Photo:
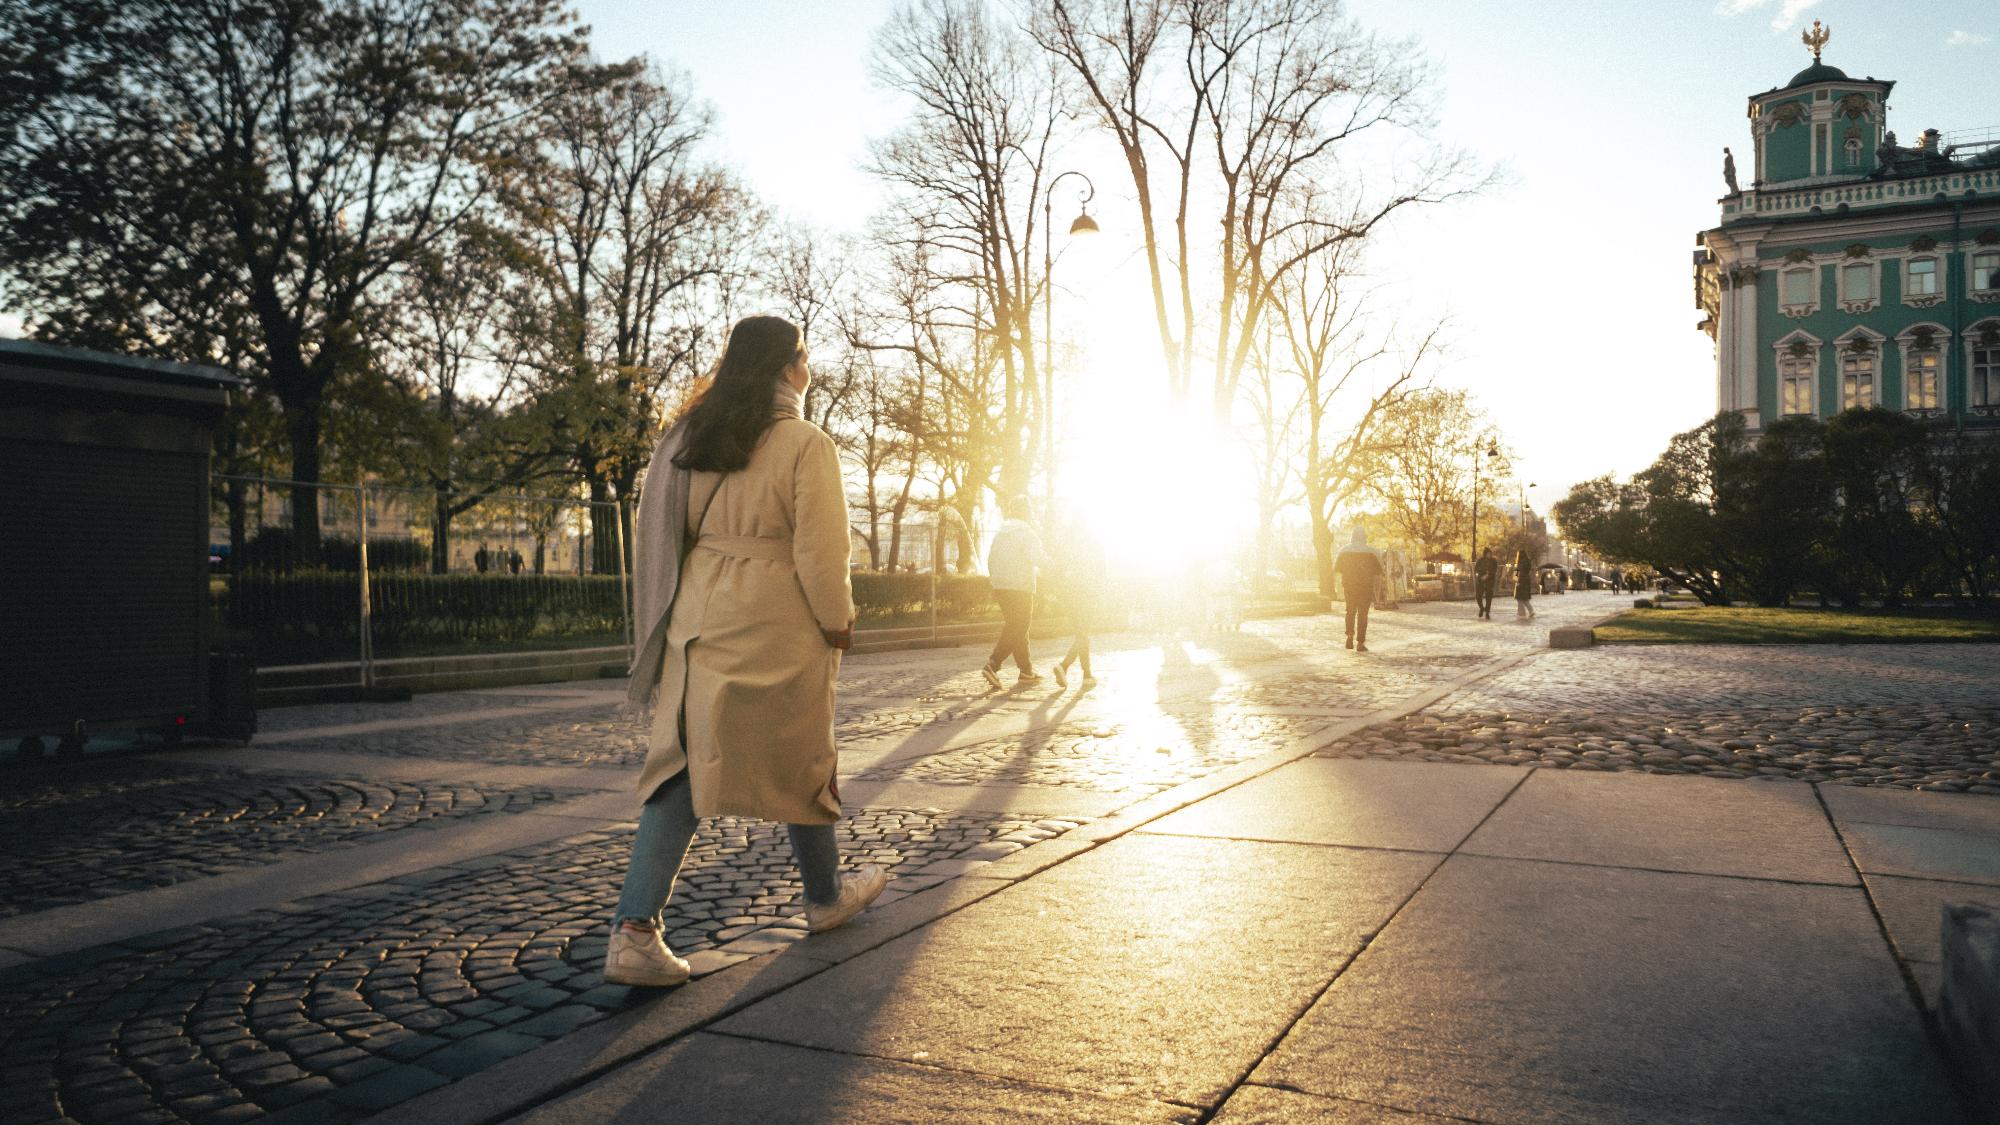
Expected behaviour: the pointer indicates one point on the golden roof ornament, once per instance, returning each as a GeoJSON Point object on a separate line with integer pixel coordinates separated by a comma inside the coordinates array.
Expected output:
{"type": "Point", "coordinates": [1816, 38]}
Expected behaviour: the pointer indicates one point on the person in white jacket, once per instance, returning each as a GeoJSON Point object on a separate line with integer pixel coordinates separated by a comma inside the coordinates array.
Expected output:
{"type": "Point", "coordinates": [1011, 563]}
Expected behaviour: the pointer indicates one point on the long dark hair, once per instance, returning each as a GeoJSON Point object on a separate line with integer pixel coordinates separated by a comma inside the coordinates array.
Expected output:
{"type": "Point", "coordinates": [730, 414]}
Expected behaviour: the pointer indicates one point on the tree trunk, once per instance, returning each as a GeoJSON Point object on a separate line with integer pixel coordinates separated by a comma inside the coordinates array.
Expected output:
{"type": "Point", "coordinates": [441, 533]}
{"type": "Point", "coordinates": [1322, 538]}
{"type": "Point", "coordinates": [302, 430]}
{"type": "Point", "coordinates": [603, 539]}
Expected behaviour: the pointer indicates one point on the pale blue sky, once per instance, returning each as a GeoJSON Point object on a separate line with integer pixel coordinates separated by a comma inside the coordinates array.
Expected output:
{"type": "Point", "coordinates": [1569, 290]}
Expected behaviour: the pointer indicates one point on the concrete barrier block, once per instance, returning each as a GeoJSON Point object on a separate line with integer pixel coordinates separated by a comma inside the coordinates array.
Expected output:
{"type": "Point", "coordinates": [1969, 999]}
{"type": "Point", "coordinates": [1571, 636]}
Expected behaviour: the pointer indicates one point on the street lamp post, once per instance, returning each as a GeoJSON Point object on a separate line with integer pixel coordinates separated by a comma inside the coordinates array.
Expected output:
{"type": "Point", "coordinates": [1492, 450]}
{"type": "Point", "coordinates": [1083, 224]}
{"type": "Point", "coordinates": [1524, 506]}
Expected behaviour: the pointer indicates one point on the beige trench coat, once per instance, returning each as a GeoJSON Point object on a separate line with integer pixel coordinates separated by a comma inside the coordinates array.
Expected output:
{"type": "Point", "coordinates": [746, 673]}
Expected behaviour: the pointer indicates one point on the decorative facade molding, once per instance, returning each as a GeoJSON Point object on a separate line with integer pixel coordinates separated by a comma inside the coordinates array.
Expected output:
{"type": "Point", "coordinates": [1857, 302]}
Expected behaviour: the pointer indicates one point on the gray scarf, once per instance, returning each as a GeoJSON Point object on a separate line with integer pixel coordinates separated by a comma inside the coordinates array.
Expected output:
{"type": "Point", "coordinates": [660, 542]}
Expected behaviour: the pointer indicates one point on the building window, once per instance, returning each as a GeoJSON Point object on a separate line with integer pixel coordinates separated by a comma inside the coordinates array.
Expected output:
{"type": "Point", "coordinates": [1857, 379]}
{"type": "Point", "coordinates": [1795, 384]}
{"type": "Point", "coordinates": [1920, 378]}
{"type": "Point", "coordinates": [1985, 376]}
{"type": "Point", "coordinates": [1853, 152]}
{"type": "Point", "coordinates": [1922, 277]}
{"type": "Point", "coordinates": [1857, 287]}
{"type": "Point", "coordinates": [1798, 293]}
{"type": "Point", "coordinates": [1986, 271]}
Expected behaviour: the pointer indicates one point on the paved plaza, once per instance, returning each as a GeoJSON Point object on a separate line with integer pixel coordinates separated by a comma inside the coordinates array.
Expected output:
{"type": "Point", "coordinates": [1249, 876]}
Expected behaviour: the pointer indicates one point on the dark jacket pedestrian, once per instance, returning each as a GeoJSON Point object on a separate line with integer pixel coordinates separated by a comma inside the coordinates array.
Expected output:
{"type": "Point", "coordinates": [481, 559]}
{"type": "Point", "coordinates": [1486, 573]}
{"type": "Point", "coordinates": [514, 562]}
{"type": "Point", "coordinates": [1524, 586]}
{"type": "Point", "coordinates": [1360, 570]}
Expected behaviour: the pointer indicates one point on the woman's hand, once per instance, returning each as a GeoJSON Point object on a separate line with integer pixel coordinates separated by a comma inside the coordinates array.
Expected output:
{"type": "Point", "coordinates": [842, 639]}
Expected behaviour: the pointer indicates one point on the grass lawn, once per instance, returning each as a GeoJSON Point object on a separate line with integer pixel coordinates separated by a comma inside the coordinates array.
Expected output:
{"type": "Point", "coordinates": [1756, 625]}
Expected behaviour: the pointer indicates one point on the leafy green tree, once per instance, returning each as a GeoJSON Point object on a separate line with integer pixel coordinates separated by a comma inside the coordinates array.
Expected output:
{"type": "Point", "coordinates": [1882, 541]}
{"type": "Point", "coordinates": [178, 169]}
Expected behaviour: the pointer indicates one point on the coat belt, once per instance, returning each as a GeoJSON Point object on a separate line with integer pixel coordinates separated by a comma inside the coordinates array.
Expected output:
{"type": "Point", "coordinates": [747, 547]}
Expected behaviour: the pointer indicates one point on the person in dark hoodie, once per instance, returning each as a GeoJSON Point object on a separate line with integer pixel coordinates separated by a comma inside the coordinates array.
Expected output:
{"type": "Point", "coordinates": [1360, 570]}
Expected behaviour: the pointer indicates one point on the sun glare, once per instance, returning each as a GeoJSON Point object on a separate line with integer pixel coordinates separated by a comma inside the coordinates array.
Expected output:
{"type": "Point", "coordinates": [1159, 489]}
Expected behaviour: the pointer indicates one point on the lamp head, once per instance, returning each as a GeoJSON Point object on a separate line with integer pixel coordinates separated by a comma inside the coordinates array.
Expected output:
{"type": "Point", "coordinates": [1084, 224]}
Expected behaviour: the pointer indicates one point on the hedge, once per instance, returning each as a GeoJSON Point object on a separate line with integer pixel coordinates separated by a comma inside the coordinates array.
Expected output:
{"type": "Point", "coordinates": [306, 617]}
{"type": "Point", "coordinates": [892, 597]}
{"type": "Point", "coordinates": [309, 616]}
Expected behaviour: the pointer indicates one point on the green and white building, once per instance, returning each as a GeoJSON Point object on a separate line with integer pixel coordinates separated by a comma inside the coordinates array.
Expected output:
{"type": "Point", "coordinates": [1852, 270]}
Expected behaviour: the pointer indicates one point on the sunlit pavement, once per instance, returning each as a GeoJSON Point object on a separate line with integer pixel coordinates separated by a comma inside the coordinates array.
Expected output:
{"type": "Point", "coordinates": [1163, 897]}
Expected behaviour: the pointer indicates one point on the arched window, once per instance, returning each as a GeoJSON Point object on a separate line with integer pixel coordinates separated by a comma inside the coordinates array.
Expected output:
{"type": "Point", "coordinates": [1860, 364]}
{"type": "Point", "coordinates": [1923, 366]}
{"type": "Point", "coordinates": [1798, 374]}
{"type": "Point", "coordinates": [1853, 147]}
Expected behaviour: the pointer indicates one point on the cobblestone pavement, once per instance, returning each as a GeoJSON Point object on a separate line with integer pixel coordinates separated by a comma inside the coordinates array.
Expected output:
{"type": "Point", "coordinates": [347, 1003]}
{"type": "Point", "coordinates": [138, 824]}
{"type": "Point", "coordinates": [1132, 758]}
{"type": "Point", "coordinates": [1916, 716]}
{"type": "Point", "coordinates": [334, 1006]}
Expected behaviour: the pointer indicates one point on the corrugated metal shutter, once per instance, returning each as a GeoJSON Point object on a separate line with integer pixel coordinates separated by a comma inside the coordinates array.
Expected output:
{"type": "Point", "coordinates": [105, 593]}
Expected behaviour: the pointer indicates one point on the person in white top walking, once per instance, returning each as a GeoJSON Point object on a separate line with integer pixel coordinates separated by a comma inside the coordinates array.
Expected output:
{"type": "Point", "coordinates": [1011, 563]}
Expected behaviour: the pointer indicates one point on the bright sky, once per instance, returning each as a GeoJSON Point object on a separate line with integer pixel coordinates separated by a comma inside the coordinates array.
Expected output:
{"type": "Point", "coordinates": [1569, 290]}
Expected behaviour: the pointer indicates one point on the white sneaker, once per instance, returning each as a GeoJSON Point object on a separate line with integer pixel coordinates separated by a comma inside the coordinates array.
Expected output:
{"type": "Point", "coordinates": [858, 888]}
{"type": "Point", "coordinates": [992, 677]}
{"type": "Point", "coordinates": [642, 959]}
{"type": "Point", "coordinates": [1062, 677]}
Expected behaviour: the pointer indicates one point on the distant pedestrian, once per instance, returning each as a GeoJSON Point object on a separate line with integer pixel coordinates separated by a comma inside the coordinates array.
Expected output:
{"type": "Point", "coordinates": [1562, 580]}
{"type": "Point", "coordinates": [1617, 579]}
{"type": "Point", "coordinates": [1080, 583]}
{"type": "Point", "coordinates": [514, 561]}
{"type": "Point", "coordinates": [1360, 570]}
{"type": "Point", "coordinates": [1524, 587]}
{"type": "Point", "coordinates": [1011, 563]}
{"type": "Point", "coordinates": [743, 602]}
{"type": "Point", "coordinates": [481, 559]}
{"type": "Point", "coordinates": [1486, 576]}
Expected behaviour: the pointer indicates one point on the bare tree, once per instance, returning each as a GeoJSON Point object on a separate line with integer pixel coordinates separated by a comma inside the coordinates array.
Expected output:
{"type": "Point", "coordinates": [1334, 349]}
{"type": "Point", "coordinates": [967, 169]}
{"type": "Point", "coordinates": [630, 236]}
{"type": "Point", "coordinates": [1228, 112]}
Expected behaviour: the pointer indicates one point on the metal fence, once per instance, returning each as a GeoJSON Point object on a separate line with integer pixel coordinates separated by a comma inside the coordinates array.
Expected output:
{"type": "Point", "coordinates": [401, 574]}
{"type": "Point", "coordinates": [397, 573]}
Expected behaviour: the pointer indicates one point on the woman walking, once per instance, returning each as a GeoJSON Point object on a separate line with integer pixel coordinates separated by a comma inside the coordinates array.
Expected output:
{"type": "Point", "coordinates": [1524, 586]}
{"type": "Point", "coordinates": [743, 604]}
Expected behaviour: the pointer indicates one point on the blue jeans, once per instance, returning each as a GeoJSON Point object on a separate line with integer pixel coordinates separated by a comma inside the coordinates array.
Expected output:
{"type": "Point", "coordinates": [666, 827]}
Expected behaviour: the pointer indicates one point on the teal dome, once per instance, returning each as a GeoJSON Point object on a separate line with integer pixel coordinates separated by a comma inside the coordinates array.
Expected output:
{"type": "Point", "coordinates": [1817, 72]}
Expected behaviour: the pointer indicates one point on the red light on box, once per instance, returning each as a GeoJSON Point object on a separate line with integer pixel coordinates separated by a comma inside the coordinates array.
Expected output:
{"type": "Point", "coordinates": [180, 720]}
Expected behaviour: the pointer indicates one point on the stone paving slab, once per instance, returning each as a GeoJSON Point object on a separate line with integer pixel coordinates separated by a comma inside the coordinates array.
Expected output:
{"type": "Point", "coordinates": [1925, 853]}
{"type": "Point", "coordinates": [723, 1079]}
{"type": "Point", "coordinates": [1968, 813]}
{"type": "Point", "coordinates": [1516, 991]}
{"type": "Point", "coordinates": [1358, 804]}
{"type": "Point", "coordinates": [1265, 1105]}
{"type": "Point", "coordinates": [1910, 910]}
{"type": "Point", "coordinates": [1130, 946]}
{"type": "Point", "coordinates": [1697, 825]}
